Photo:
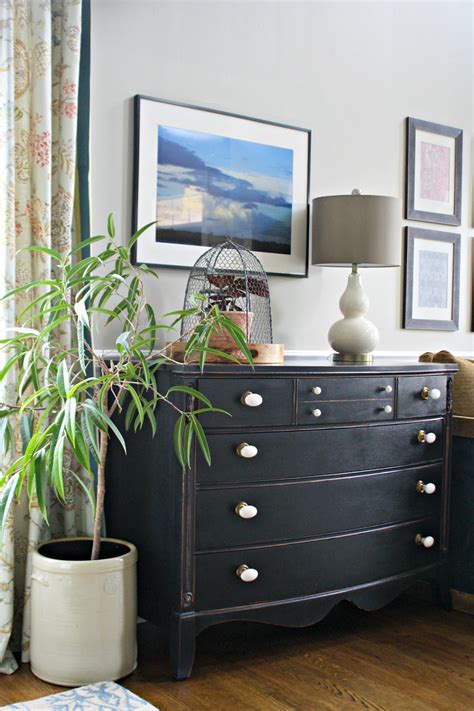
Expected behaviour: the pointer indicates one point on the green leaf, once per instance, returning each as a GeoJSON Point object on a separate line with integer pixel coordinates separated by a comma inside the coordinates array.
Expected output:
{"type": "Point", "coordinates": [178, 434]}
{"type": "Point", "coordinates": [106, 422]}
{"type": "Point", "coordinates": [62, 379]}
{"type": "Point", "coordinates": [111, 225]}
{"type": "Point", "coordinates": [45, 250]}
{"type": "Point", "coordinates": [138, 233]}
{"type": "Point", "coordinates": [90, 434]}
{"type": "Point", "coordinates": [6, 500]}
{"type": "Point", "coordinates": [80, 307]}
{"type": "Point", "coordinates": [70, 419]}
{"type": "Point", "coordinates": [6, 438]}
{"type": "Point", "coordinates": [201, 438]}
{"type": "Point", "coordinates": [40, 483]}
{"type": "Point", "coordinates": [189, 391]}
{"type": "Point", "coordinates": [57, 476]}
{"type": "Point", "coordinates": [138, 404]}
{"type": "Point", "coordinates": [188, 442]}
{"type": "Point", "coordinates": [81, 346]}
{"type": "Point", "coordinates": [86, 243]}
{"type": "Point", "coordinates": [88, 492]}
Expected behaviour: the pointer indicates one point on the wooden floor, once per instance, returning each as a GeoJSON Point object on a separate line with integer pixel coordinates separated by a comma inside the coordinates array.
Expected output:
{"type": "Point", "coordinates": [409, 656]}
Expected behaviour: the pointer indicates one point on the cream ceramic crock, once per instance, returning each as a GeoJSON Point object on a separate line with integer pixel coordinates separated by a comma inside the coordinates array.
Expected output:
{"type": "Point", "coordinates": [83, 616]}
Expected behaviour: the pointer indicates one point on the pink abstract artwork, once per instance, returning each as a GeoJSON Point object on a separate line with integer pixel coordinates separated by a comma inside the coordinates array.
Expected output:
{"type": "Point", "coordinates": [434, 177]}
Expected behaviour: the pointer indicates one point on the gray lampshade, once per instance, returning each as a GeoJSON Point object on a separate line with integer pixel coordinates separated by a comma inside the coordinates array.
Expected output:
{"type": "Point", "coordinates": [356, 229]}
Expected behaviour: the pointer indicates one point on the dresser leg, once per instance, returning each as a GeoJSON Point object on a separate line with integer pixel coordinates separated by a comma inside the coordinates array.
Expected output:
{"type": "Point", "coordinates": [182, 646]}
{"type": "Point", "coordinates": [444, 593]}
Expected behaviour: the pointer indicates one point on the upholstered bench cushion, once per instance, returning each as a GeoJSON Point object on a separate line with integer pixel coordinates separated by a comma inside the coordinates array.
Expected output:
{"type": "Point", "coordinates": [463, 398]}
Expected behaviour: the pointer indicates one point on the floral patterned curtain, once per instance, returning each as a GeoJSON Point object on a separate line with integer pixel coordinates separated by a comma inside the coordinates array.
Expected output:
{"type": "Point", "coordinates": [39, 73]}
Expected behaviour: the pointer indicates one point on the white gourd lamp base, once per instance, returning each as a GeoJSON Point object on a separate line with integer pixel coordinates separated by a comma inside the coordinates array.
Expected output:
{"type": "Point", "coordinates": [354, 337]}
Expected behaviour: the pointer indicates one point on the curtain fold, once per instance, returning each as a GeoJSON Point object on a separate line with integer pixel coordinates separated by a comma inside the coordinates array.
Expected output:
{"type": "Point", "coordinates": [40, 44]}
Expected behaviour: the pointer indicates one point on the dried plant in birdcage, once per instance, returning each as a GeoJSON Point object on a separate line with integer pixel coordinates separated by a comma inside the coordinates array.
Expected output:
{"type": "Point", "coordinates": [232, 278]}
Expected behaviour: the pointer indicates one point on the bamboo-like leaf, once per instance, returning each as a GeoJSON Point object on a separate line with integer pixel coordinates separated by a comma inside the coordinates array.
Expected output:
{"type": "Point", "coordinates": [108, 423]}
{"type": "Point", "coordinates": [138, 404]}
{"type": "Point", "coordinates": [81, 346]}
{"type": "Point", "coordinates": [86, 243]}
{"type": "Point", "coordinates": [80, 307]}
{"type": "Point", "coordinates": [88, 492]}
{"type": "Point", "coordinates": [62, 379]}
{"type": "Point", "coordinates": [6, 499]}
{"type": "Point", "coordinates": [6, 438]}
{"type": "Point", "coordinates": [90, 434]}
{"type": "Point", "coordinates": [70, 419]}
{"type": "Point", "coordinates": [152, 418]}
{"type": "Point", "coordinates": [111, 225]}
{"type": "Point", "coordinates": [138, 234]}
{"type": "Point", "coordinates": [189, 391]}
{"type": "Point", "coordinates": [178, 434]}
{"type": "Point", "coordinates": [40, 483]}
{"type": "Point", "coordinates": [45, 250]}
{"type": "Point", "coordinates": [201, 438]}
{"type": "Point", "coordinates": [188, 443]}
{"type": "Point", "coordinates": [57, 477]}
{"type": "Point", "coordinates": [131, 410]}
{"type": "Point", "coordinates": [80, 448]}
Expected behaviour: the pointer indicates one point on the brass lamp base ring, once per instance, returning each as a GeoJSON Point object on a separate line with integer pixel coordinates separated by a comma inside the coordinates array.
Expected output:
{"type": "Point", "coordinates": [353, 358]}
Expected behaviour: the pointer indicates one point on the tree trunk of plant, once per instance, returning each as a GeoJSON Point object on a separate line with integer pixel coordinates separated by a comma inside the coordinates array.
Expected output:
{"type": "Point", "coordinates": [99, 505]}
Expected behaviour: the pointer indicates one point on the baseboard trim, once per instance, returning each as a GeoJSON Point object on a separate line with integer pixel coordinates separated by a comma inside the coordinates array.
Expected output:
{"type": "Point", "coordinates": [463, 601]}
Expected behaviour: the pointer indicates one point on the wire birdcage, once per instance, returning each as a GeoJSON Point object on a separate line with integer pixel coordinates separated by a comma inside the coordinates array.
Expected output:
{"type": "Point", "coordinates": [231, 277]}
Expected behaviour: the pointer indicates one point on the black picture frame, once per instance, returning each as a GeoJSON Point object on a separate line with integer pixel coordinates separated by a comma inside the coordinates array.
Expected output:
{"type": "Point", "coordinates": [412, 315]}
{"type": "Point", "coordinates": [139, 218]}
{"type": "Point", "coordinates": [413, 179]}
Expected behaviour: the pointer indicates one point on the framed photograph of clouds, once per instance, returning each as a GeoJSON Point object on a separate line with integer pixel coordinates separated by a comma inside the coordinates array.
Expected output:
{"type": "Point", "coordinates": [432, 280]}
{"type": "Point", "coordinates": [434, 172]}
{"type": "Point", "coordinates": [206, 176]}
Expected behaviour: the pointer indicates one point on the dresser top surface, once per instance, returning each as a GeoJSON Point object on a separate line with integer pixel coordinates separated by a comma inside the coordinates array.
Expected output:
{"type": "Point", "coordinates": [307, 365]}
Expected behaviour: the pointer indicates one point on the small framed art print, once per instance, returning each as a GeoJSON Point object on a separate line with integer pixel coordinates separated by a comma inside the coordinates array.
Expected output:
{"type": "Point", "coordinates": [206, 176]}
{"type": "Point", "coordinates": [434, 172]}
{"type": "Point", "coordinates": [432, 280]}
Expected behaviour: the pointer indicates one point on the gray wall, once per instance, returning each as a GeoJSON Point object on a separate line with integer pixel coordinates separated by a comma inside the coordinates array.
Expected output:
{"type": "Point", "coordinates": [351, 72]}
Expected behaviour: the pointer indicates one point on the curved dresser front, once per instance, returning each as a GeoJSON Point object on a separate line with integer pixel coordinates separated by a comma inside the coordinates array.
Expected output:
{"type": "Point", "coordinates": [328, 482]}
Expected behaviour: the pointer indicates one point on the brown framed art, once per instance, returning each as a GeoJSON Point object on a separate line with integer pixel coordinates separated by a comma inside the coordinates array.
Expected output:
{"type": "Point", "coordinates": [433, 172]}
{"type": "Point", "coordinates": [432, 267]}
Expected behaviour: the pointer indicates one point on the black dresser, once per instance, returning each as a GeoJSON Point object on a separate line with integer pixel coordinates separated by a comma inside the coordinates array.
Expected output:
{"type": "Point", "coordinates": [330, 482]}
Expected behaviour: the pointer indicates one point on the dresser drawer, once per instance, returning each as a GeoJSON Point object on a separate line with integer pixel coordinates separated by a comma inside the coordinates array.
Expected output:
{"type": "Point", "coordinates": [312, 453]}
{"type": "Point", "coordinates": [416, 396]}
{"type": "Point", "coordinates": [345, 388]}
{"type": "Point", "coordinates": [276, 407]}
{"type": "Point", "coordinates": [310, 413]}
{"type": "Point", "coordinates": [305, 510]}
{"type": "Point", "coordinates": [308, 568]}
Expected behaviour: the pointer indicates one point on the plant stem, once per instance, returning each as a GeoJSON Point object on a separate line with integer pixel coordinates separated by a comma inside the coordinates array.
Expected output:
{"type": "Point", "coordinates": [99, 505]}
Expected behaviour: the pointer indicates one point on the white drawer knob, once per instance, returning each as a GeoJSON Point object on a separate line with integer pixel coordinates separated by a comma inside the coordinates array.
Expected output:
{"type": "Point", "coordinates": [317, 390]}
{"type": "Point", "coordinates": [317, 413]}
{"type": "Point", "coordinates": [387, 389]}
{"type": "Point", "coordinates": [247, 451]}
{"type": "Point", "coordinates": [251, 399]}
{"type": "Point", "coordinates": [423, 488]}
{"type": "Point", "coordinates": [426, 437]}
{"type": "Point", "coordinates": [387, 409]}
{"type": "Point", "coordinates": [426, 541]}
{"type": "Point", "coordinates": [245, 511]}
{"type": "Point", "coordinates": [433, 394]}
{"type": "Point", "coordinates": [246, 574]}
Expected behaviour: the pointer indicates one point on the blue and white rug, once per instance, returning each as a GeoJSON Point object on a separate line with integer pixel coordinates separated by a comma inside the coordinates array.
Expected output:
{"type": "Point", "coordinates": [94, 697]}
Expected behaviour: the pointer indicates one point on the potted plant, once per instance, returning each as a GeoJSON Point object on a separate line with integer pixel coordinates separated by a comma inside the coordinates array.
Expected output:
{"type": "Point", "coordinates": [230, 294]}
{"type": "Point", "coordinates": [83, 590]}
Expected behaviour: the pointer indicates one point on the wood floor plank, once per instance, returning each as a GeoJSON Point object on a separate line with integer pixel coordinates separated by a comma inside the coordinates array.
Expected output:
{"type": "Point", "coordinates": [405, 657]}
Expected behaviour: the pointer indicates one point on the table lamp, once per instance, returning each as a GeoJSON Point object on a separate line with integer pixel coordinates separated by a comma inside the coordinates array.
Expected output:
{"type": "Point", "coordinates": [359, 231]}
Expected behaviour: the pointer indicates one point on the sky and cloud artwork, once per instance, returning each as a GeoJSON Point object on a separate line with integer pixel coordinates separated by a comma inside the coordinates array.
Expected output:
{"type": "Point", "coordinates": [212, 187]}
